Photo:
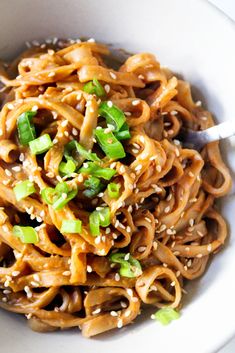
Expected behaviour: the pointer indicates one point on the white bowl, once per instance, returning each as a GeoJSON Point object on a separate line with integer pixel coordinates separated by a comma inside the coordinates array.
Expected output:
{"type": "Point", "coordinates": [197, 41]}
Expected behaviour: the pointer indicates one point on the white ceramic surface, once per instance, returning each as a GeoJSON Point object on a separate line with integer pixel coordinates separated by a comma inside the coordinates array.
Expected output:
{"type": "Point", "coordinates": [197, 41]}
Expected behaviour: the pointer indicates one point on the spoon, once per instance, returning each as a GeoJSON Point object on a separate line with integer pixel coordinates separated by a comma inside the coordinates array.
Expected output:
{"type": "Point", "coordinates": [198, 139]}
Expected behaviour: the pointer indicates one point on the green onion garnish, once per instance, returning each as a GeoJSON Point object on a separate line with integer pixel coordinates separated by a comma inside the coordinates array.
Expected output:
{"type": "Point", "coordinates": [128, 268]}
{"type": "Point", "coordinates": [24, 189]}
{"type": "Point", "coordinates": [91, 168]}
{"type": "Point", "coordinates": [67, 168]}
{"type": "Point", "coordinates": [94, 223]}
{"type": "Point", "coordinates": [71, 226]}
{"type": "Point", "coordinates": [110, 144]}
{"type": "Point", "coordinates": [94, 186]}
{"type": "Point", "coordinates": [166, 315]}
{"type": "Point", "coordinates": [113, 115]}
{"type": "Point", "coordinates": [94, 87]}
{"type": "Point", "coordinates": [113, 190]}
{"type": "Point", "coordinates": [59, 196]}
{"type": "Point", "coordinates": [41, 144]}
{"type": "Point", "coordinates": [26, 129]}
{"type": "Point", "coordinates": [27, 235]}
{"type": "Point", "coordinates": [99, 218]}
{"type": "Point", "coordinates": [123, 133]}
{"type": "Point", "coordinates": [73, 149]}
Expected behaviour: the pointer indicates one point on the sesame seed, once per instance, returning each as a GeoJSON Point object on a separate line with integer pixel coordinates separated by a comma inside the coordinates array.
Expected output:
{"type": "Point", "coordinates": [109, 104]}
{"type": "Point", "coordinates": [113, 313]}
{"type": "Point", "coordinates": [112, 75]}
{"type": "Point", "coordinates": [167, 209]}
{"type": "Point", "coordinates": [173, 283]}
{"type": "Point", "coordinates": [138, 167]}
{"type": "Point", "coordinates": [203, 118]}
{"type": "Point", "coordinates": [135, 102]}
{"type": "Point", "coordinates": [116, 224]}
{"type": "Point", "coordinates": [123, 304]}
{"type": "Point", "coordinates": [15, 273]}
{"type": "Point", "coordinates": [187, 248]}
{"type": "Point", "coordinates": [36, 277]}
{"type": "Point", "coordinates": [164, 265]}
{"type": "Point", "coordinates": [8, 172]}
{"type": "Point", "coordinates": [119, 323]}
{"type": "Point", "coordinates": [158, 168]}
{"type": "Point", "coordinates": [21, 157]}
{"type": "Point", "coordinates": [191, 174]}
{"type": "Point", "coordinates": [117, 277]}
{"type": "Point", "coordinates": [142, 139]}
{"type": "Point", "coordinates": [141, 77]}
{"type": "Point", "coordinates": [152, 317]}
{"type": "Point", "coordinates": [28, 292]}
{"type": "Point", "coordinates": [191, 222]}
{"type": "Point", "coordinates": [34, 108]}
{"type": "Point", "coordinates": [135, 151]}
{"type": "Point", "coordinates": [148, 219]}
{"type": "Point", "coordinates": [209, 247]}
{"type": "Point", "coordinates": [129, 291]}
{"type": "Point", "coordinates": [122, 169]}
{"type": "Point", "coordinates": [198, 104]}
{"type": "Point", "coordinates": [155, 245]}
{"type": "Point", "coordinates": [107, 230]}
{"type": "Point", "coordinates": [127, 113]}
{"type": "Point", "coordinates": [91, 40]}
{"type": "Point", "coordinates": [51, 74]}
{"type": "Point", "coordinates": [64, 123]}
{"type": "Point", "coordinates": [178, 273]}
{"type": "Point", "coordinates": [97, 311]}
{"type": "Point", "coordinates": [4, 299]}
{"type": "Point", "coordinates": [130, 208]}
{"type": "Point", "coordinates": [10, 106]}
{"type": "Point", "coordinates": [199, 255]}
{"type": "Point", "coordinates": [5, 228]}
{"type": "Point", "coordinates": [107, 88]}
{"type": "Point", "coordinates": [89, 269]}
{"type": "Point", "coordinates": [141, 248]}
{"type": "Point", "coordinates": [66, 273]}
{"type": "Point", "coordinates": [173, 112]}
{"type": "Point", "coordinates": [153, 288]}
{"type": "Point", "coordinates": [189, 263]}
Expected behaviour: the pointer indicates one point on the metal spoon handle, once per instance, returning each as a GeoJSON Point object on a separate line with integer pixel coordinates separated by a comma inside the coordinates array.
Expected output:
{"type": "Point", "coordinates": [214, 133]}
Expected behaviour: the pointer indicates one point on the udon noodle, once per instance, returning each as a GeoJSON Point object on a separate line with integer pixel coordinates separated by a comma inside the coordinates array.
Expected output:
{"type": "Point", "coordinates": [163, 217]}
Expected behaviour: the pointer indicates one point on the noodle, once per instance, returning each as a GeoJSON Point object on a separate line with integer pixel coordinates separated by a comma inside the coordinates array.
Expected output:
{"type": "Point", "coordinates": [163, 216]}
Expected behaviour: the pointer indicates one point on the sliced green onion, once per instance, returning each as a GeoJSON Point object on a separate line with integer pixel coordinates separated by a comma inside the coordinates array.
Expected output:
{"type": "Point", "coordinates": [71, 226]}
{"type": "Point", "coordinates": [63, 200]}
{"type": "Point", "coordinates": [26, 130]}
{"type": "Point", "coordinates": [123, 133]}
{"type": "Point", "coordinates": [24, 189]}
{"type": "Point", "coordinates": [27, 235]}
{"type": "Point", "coordinates": [94, 223]}
{"type": "Point", "coordinates": [92, 182]}
{"type": "Point", "coordinates": [67, 168]}
{"type": "Point", "coordinates": [166, 315]}
{"type": "Point", "coordinates": [94, 87]}
{"type": "Point", "coordinates": [104, 216]}
{"type": "Point", "coordinates": [59, 196]}
{"type": "Point", "coordinates": [113, 190]}
{"type": "Point", "coordinates": [91, 168]}
{"type": "Point", "coordinates": [73, 150]}
{"type": "Point", "coordinates": [113, 115]}
{"type": "Point", "coordinates": [48, 195]}
{"type": "Point", "coordinates": [99, 218]}
{"type": "Point", "coordinates": [128, 268]}
{"type": "Point", "coordinates": [41, 144]}
{"type": "Point", "coordinates": [109, 144]}
{"type": "Point", "coordinates": [94, 186]}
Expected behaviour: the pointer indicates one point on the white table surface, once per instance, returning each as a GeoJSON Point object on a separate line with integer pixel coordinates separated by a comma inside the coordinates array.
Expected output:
{"type": "Point", "coordinates": [228, 7]}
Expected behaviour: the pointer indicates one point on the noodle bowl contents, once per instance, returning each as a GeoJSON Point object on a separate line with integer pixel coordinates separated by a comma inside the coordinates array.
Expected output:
{"type": "Point", "coordinates": [102, 209]}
